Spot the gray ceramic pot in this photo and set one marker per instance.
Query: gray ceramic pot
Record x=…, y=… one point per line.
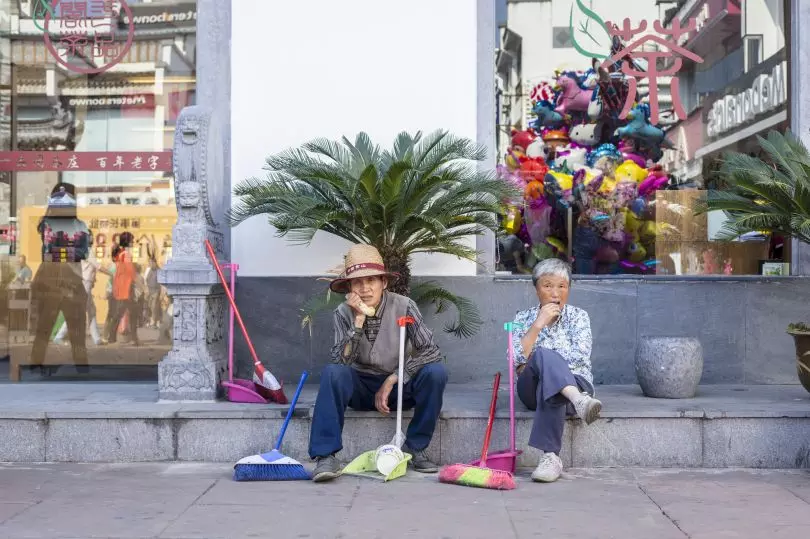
x=669, y=367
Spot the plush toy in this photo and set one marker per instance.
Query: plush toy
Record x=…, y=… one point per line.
x=571, y=159
x=537, y=149
x=512, y=220
x=603, y=151
x=534, y=190
x=547, y=117
x=554, y=140
x=533, y=169
x=512, y=159
x=565, y=181
x=629, y=171
x=521, y=140
x=655, y=181
x=573, y=97
x=538, y=221
x=586, y=134
x=648, y=231
x=636, y=252
x=640, y=128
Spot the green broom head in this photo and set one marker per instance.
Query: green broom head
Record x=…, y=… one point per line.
x=473, y=476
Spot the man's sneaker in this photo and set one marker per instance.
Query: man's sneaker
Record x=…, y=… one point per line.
x=420, y=461
x=588, y=408
x=549, y=469
x=326, y=469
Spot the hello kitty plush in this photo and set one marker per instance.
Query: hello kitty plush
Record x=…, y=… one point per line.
x=586, y=134
x=537, y=149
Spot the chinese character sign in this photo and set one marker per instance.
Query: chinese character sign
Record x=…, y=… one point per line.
x=81, y=32
x=628, y=55
x=86, y=161
x=635, y=54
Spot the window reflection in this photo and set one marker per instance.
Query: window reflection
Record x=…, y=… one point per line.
x=615, y=194
x=89, y=306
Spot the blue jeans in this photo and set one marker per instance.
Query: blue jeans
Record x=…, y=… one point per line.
x=343, y=386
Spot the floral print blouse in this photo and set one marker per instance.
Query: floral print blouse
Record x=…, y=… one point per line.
x=570, y=337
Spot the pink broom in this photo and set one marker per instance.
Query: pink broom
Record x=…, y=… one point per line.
x=480, y=476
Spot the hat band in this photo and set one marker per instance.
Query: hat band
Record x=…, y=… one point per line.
x=358, y=267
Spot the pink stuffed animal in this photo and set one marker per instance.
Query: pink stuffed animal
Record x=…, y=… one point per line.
x=572, y=96
x=655, y=181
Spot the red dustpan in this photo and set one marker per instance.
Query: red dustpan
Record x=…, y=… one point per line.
x=506, y=460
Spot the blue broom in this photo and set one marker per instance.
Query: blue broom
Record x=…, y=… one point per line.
x=274, y=466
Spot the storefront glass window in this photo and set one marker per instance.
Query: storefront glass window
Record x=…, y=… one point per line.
x=613, y=161
x=89, y=93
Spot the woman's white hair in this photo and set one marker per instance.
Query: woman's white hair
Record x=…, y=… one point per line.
x=551, y=266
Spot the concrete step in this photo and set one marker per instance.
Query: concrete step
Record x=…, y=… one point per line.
x=725, y=426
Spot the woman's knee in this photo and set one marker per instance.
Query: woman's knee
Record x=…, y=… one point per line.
x=547, y=357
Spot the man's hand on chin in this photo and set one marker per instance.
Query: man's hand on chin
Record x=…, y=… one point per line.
x=381, y=398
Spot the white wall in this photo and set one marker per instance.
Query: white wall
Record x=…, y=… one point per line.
x=534, y=22
x=309, y=68
x=765, y=18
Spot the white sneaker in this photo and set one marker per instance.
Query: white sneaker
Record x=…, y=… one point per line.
x=549, y=469
x=588, y=408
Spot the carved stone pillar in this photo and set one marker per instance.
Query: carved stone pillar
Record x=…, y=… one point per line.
x=196, y=363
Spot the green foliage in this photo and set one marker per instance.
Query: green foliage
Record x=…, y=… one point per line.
x=770, y=195
x=798, y=327
x=424, y=195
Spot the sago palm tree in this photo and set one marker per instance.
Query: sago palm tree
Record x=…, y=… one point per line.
x=425, y=195
x=770, y=195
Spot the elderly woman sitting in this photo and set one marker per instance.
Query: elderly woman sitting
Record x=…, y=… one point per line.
x=552, y=347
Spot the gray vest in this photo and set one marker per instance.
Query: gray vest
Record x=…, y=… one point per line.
x=383, y=356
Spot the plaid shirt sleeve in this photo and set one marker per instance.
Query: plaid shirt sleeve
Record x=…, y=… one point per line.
x=421, y=337
x=345, y=350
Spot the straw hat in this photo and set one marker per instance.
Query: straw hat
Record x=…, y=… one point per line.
x=360, y=261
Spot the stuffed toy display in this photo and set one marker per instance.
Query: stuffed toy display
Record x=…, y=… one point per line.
x=580, y=163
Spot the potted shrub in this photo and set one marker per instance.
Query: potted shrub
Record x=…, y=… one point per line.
x=424, y=195
x=771, y=195
x=801, y=338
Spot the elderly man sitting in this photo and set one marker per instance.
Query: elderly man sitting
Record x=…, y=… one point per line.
x=364, y=364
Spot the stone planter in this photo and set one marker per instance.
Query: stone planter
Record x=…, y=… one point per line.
x=669, y=367
x=802, y=341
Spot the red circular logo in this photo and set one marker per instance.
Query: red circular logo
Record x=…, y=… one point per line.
x=74, y=36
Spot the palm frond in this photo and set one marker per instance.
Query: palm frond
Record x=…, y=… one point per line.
x=770, y=195
x=468, y=321
x=316, y=304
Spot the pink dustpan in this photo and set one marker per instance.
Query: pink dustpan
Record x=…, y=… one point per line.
x=506, y=460
x=238, y=390
x=243, y=391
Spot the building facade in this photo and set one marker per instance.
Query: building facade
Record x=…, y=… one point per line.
x=242, y=109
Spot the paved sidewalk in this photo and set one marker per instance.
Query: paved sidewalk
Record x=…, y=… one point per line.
x=201, y=501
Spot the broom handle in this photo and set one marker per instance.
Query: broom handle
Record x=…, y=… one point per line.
x=508, y=328
x=403, y=323
x=291, y=410
x=231, y=300
x=233, y=268
x=491, y=419
x=400, y=374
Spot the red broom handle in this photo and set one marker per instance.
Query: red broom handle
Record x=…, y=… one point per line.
x=230, y=298
x=491, y=419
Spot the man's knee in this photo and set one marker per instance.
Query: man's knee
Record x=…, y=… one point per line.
x=434, y=375
x=336, y=375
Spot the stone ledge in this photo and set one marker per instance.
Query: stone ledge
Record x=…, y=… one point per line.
x=725, y=426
